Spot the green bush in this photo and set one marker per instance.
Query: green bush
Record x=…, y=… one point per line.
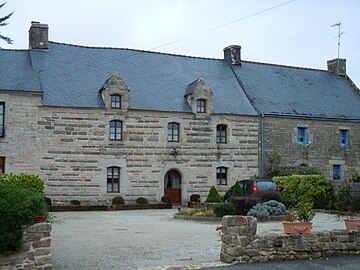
x=343, y=201
x=75, y=202
x=223, y=209
x=237, y=190
x=141, y=200
x=18, y=207
x=315, y=189
x=213, y=196
x=25, y=180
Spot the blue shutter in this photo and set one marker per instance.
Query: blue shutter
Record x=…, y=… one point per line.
x=301, y=135
x=344, y=137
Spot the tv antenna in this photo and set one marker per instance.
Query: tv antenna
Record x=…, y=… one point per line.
x=338, y=24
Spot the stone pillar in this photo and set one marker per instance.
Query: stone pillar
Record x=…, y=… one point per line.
x=232, y=54
x=237, y=233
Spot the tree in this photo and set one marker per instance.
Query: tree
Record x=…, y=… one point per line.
x=4, y=23
x=237, y=191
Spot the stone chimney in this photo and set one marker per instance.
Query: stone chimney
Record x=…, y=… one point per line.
x=338, y=65
x=232, y=54
x=38, y=36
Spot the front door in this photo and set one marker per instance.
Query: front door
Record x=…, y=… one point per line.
x=172, y=185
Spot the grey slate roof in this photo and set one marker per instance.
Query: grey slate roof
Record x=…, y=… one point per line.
x=282, y=90
x=16, y=73
x=72, y=75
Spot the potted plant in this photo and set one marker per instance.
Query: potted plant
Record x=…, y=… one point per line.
x=352, y=222
x=299, y=221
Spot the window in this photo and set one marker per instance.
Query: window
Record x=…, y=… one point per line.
x=2, y=119
x=201, y=106
x=113, y=179
x=173, y=132
x=344, y=137
x=221, y=134
x=115, y=102
x=336, y=172
x=301, y=135
x=2, y=165
x=221, y=176
x=116, y=130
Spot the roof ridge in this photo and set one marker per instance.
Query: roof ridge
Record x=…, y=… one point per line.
x=134, y=50
x=14, y=50
x=286, y=66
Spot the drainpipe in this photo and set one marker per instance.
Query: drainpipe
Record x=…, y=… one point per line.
x=262, y=165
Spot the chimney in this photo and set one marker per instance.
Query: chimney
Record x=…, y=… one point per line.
x=232, y=54
x=338, y=65
x=38, y=36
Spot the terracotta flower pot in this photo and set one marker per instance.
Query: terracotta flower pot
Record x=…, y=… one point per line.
x=352, y=223
x=297, y=227
x=40, y=218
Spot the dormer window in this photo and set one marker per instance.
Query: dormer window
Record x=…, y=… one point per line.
x=201, y=106
x=116, y=102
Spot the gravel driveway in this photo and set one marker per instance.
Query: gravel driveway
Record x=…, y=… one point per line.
x=143, y=238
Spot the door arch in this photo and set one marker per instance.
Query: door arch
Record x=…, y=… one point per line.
x=172, y=186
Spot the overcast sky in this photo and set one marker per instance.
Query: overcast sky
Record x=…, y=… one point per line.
x=297, y=33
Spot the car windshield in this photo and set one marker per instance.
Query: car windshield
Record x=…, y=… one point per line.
x=266, y=186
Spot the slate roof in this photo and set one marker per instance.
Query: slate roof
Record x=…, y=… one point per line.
x=282, y=90
x=70, y=75
x=16, y=73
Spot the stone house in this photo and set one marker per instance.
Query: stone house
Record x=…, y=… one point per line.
x=96, y=123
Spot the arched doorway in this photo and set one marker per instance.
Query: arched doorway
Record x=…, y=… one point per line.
x=172, y=186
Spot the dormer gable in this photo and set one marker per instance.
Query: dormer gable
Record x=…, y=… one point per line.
x=199, y=97
x=114, y=93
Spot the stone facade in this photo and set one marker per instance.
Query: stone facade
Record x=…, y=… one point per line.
x=322, y=149
x=36, y=250
x=70, y=149
x=240, y=244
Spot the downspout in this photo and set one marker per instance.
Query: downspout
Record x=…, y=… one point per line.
x=262, y=144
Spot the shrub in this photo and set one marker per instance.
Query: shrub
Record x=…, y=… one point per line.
x=268, y=195
x=269, y=208
x=237, y=190
x=343, y=199
x=304, y=211
x=166, y=199
x=141, y=200
x=243, y=204
x=25, y=180
x=356, y=204
x=315, y=189
x=48, y=201
x=18, y=207
x=213, y=196
x=195, y=198
x=223, y=209
x=75, y=202
x=118, y=200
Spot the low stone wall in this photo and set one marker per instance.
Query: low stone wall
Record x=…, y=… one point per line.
x=35, y=252
x=240, y=244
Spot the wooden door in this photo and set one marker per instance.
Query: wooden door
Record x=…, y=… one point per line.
x=172, y=186
x=2, y=165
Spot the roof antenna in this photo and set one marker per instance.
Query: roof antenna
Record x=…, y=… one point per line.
x=338, y=37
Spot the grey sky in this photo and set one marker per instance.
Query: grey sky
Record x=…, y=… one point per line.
x=295, y=34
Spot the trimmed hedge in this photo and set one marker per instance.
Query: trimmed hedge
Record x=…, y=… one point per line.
x=18, y=207
x=141, y=200
x=314, y=189
x=213, y=196
x=268, y=195
x=223, y=209
x=28, y=181
x=244, y=204
x=237, y=190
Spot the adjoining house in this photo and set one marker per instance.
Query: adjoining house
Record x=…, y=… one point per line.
x=96, y=123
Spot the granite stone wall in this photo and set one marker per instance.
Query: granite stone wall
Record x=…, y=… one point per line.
x=240, y=244
x=323, y=148
x=35, y=253
x=75, y=151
